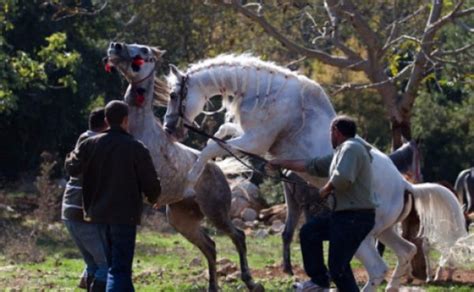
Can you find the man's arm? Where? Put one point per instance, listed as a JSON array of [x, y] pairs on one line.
[[296, 165], [345, 171], [147, 176], [318, 166], [75, 160]]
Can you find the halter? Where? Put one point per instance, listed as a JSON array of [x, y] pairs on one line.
[[183, 93], [138, 91]]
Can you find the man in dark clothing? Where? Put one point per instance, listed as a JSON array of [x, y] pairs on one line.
[[116, 170], [87, 236]]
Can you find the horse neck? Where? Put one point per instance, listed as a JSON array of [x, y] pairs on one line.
[[147, 128]]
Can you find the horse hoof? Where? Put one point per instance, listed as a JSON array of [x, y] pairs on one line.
[[288, 271], [258, 288]]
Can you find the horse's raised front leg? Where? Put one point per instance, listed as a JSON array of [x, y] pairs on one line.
[[248, 142], [227, 130]]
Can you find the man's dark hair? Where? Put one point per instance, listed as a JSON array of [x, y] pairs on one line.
[[115, 112], [346, 125], [96, 119]]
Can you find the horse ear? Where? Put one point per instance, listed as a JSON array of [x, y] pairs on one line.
[[157, 52], [175, 71]]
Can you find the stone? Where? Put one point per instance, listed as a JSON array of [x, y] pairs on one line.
[[249, 215]]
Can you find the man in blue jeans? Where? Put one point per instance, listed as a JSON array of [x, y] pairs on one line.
[[87, 236], [353, 216], [116, 170]]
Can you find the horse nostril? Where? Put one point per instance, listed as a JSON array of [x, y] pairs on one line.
[[118, 47]]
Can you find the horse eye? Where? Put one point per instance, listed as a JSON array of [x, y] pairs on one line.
[[144, 50], [173, 95]]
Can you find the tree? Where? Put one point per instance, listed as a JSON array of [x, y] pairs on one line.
[[402, 42]]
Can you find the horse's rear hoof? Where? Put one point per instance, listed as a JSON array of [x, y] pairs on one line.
[[288, 271]]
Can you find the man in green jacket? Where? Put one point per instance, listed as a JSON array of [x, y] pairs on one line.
[[353, 216]]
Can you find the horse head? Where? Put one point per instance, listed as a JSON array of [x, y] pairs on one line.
[[184, 104], [137, 63]]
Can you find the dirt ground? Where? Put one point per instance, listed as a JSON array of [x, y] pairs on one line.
[[460, 276]]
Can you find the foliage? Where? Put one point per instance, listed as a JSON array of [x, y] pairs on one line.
[[272, 192], [51, 77]]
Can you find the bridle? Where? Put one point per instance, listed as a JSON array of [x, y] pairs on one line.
[[183, 93]]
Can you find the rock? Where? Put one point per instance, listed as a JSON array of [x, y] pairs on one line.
[[249, 215], [277, 212], [223, 261], [227, 269], [233, 277], [261, 233], [250, 224], [277, 227], [195, 262], [237, 205]]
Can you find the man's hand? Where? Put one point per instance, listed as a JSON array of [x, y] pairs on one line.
[[326, 190]]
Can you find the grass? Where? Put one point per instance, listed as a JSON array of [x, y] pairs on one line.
[[163, 262]]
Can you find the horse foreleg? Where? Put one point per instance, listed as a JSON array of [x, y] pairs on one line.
[[227, 129], [209, 152]]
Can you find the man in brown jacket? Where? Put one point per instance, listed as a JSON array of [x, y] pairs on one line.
[[116, 170]]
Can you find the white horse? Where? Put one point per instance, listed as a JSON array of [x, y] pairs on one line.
[[288, 116], [137, 63]]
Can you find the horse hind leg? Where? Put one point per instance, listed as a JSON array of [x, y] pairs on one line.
[[404, 250], [186, 217], [376, 268], [214, 199], [224, 224]]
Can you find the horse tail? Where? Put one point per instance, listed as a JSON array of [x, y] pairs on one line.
[[442, 219], [462, 190]]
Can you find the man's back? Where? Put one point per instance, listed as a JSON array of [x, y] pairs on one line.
[[116, 169]]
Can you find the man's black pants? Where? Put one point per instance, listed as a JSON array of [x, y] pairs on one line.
[[345, 230]]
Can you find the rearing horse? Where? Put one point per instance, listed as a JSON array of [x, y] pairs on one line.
[[172, 160], [288, 116]]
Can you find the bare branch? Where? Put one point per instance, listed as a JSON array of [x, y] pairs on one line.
[[347, 10], [452, 52], [464, 26], [455, 13], [67, 12], [341, 62], [422, 56], [374, 85], [396, 24]]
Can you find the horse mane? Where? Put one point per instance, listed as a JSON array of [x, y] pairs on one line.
[[308, 86], [161, 92], [244, 60]]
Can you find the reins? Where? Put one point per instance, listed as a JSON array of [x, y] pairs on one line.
[[222, 143]]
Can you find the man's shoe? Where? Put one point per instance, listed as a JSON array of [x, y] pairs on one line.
[[309, 286]]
